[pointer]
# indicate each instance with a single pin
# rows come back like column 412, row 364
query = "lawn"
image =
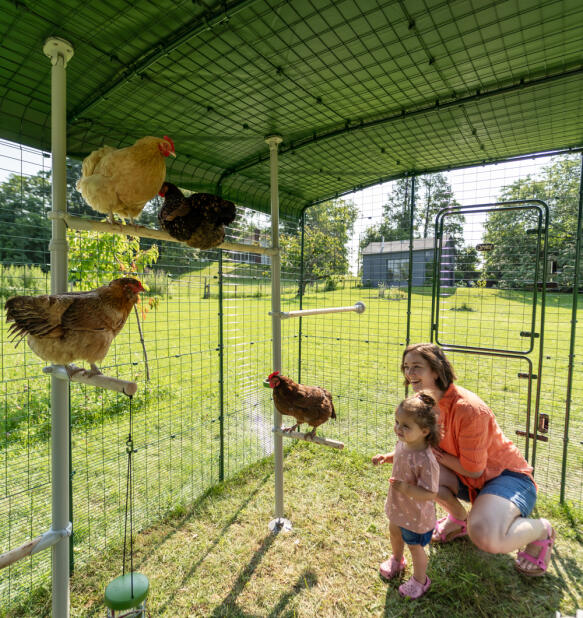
column 179, row 428
column 218, row 558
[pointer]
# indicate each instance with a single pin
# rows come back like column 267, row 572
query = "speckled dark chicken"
column 197, row 220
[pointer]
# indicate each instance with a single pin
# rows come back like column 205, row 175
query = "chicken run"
column 240, row 123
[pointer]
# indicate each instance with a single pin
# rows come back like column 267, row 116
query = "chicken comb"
column 272, row 375
column 171, row 142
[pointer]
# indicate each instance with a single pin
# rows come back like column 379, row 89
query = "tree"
column 511, row 261
column 433, row 194
column 466, row 265
column 327, row 230
column 25, row 202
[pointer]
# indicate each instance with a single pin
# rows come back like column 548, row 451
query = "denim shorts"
column 514, row 486
column 416, row 538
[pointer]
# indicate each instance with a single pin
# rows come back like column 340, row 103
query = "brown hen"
column 307, row 404
column 62, row 328
column 122, row 180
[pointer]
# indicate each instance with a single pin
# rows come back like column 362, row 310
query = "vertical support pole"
column 410, row 274
column 60, row 52
column 273, row 141
column 578, row 241
column 544, row 220
column 221, row 374
column 301, row 290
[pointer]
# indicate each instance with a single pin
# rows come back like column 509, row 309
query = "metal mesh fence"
column 205, row 414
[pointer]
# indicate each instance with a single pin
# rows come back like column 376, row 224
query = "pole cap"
column 55, row 47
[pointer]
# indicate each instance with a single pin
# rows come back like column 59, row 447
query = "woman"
column 478, row 463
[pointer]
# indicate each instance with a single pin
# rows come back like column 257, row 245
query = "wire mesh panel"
column 201, row 412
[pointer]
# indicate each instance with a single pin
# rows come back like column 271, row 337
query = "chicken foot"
column 292, row 428
column 94, row 371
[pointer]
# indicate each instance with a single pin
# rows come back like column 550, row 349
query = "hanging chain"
column 129, row 504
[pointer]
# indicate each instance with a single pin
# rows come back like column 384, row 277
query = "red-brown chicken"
column 62, row 328
column 197, row 220
column 307, row 404
column 122, row 180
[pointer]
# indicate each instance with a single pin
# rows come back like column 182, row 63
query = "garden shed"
column 330, row 125
column 386, row 264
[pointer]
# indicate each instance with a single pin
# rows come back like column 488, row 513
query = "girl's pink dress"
column 416, row 468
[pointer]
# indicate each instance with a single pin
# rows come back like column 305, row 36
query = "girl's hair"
column 437, row 360
column 421, row 407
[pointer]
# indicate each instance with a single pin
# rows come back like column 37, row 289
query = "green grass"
column 217, row 557
column 177, row 423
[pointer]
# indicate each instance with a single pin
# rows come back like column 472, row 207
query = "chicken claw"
column 292, row 428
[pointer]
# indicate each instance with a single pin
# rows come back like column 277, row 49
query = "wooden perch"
column 304, row 436
column 101, row 381
column 48, row 539
column 131, row 229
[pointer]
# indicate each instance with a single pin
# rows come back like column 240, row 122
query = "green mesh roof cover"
column 360, row 90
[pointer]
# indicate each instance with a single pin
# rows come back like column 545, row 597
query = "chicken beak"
column 172, row 153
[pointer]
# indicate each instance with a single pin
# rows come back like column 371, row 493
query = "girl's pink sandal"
column 391, row 568
column 439, row 535
column 412, row 589
column 541, row 561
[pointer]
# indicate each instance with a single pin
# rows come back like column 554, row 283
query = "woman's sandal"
column 439, row 534
column 543, row 559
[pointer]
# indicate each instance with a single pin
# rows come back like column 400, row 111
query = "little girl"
column 413, row 488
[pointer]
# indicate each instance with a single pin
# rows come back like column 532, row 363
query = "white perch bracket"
column 48, row 539
column 308, row 438
column 359, row 307
column 99, row 380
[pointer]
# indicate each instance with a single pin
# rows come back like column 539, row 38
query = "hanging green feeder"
column 123, row 594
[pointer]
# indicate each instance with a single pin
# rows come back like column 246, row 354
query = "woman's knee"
column 483, row 535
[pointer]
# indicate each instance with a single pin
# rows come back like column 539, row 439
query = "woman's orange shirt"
column 472, row 434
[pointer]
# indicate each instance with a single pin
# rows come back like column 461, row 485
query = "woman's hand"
column 382, row 458
column 453, row 463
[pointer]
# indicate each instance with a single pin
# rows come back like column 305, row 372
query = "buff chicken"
column 197, row 220
column 122, row 180
column 307, row 404
column 62, row 328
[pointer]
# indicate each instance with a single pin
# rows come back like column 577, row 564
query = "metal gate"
column 503, row 327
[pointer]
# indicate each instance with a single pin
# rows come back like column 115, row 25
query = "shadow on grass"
column 217, row 540
column 229, row 607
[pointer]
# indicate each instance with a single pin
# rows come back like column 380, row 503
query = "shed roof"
column 396, row 246
column 360, row 91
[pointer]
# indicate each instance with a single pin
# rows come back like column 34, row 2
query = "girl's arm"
column 453, row 463
column 412, row 491
column 382, row 459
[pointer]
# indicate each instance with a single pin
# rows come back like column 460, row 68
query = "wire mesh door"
column 498, row 252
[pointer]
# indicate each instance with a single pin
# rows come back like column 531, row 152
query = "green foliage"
column 511, row 262
column 433, row 193
column 29, row 280
column 25, row 229
column 466, row 265
column 96, row 256
column 327, row 230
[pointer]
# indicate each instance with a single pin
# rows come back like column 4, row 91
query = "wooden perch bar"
column 100, row 381
column 131, row 229
column 304, row 436
column 358, row 307
column 48, row 539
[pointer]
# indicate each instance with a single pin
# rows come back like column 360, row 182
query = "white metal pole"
column 274, row 141
column 60, row 52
